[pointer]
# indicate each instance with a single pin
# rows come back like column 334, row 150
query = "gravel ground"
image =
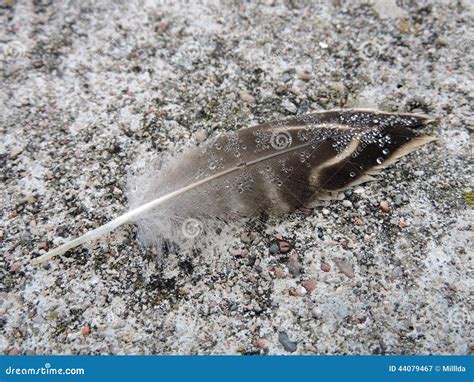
column 88, row 88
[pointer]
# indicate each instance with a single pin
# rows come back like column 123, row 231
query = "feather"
column 272, row 169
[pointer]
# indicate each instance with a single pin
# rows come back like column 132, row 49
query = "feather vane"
column 272, row 169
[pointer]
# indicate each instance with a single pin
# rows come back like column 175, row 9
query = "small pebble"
column 246, row 96
column 347, row 243
column 396, row 273
column 403, row 223
column 347, row 203
column 163, row 26
column 289, row 106
column 286, row 77
column 345, row 267
column 287, row 344
column 43, row 245
column 15, row 267
column 297, row 292
column 316, row 312
column 325, row 267
column 13, row 351
column 284, row 246
column 85, row 330
column 304, row 74
column 274, row 248
column 14, row 152
column 384, row 206
column 309, row 285
column 261, row 343
column 282, row 89
column 294, row 265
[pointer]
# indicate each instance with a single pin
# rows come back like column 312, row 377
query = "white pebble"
column 347, row 203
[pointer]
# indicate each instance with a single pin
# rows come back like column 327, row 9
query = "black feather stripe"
column 366, row 157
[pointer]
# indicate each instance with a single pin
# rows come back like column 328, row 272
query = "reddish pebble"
column 13, row 352
column 284, row 246
column 260, row 343
column 403, row 223
column 384, row 206
column 43, row 245
column 85, row 330
column 15, row 267
column 311, row 348
column 310, row 285
column 325, row 267
column 163, row 26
